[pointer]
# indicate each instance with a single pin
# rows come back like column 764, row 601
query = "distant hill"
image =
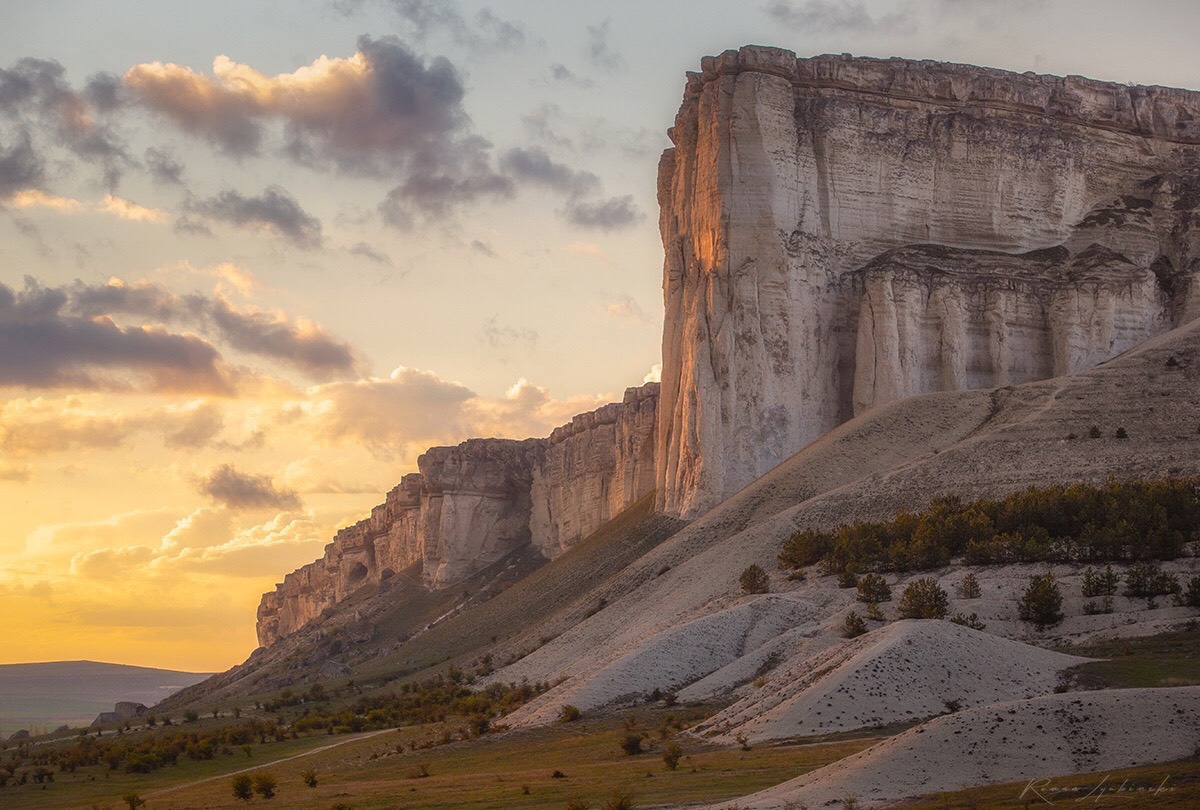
column 41, row 697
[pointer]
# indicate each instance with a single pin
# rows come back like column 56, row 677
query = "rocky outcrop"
column 840, row 232
column 593, row 468
column 122, row 711
column 473, row 504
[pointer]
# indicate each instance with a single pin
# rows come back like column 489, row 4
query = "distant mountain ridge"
column 53, row 693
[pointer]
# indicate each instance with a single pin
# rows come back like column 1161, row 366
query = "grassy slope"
column 1170, row 659
column 488, row 773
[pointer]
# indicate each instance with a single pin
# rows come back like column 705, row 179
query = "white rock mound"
column 1037, row 739
column 899, row 673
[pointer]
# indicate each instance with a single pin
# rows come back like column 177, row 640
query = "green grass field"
column 510, row 769
column 1170, row 659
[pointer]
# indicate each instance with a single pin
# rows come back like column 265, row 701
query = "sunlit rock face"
column 473, row 504
column 840, row 232
column 592, row 469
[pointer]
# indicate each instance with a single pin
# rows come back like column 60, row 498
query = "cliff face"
column 840, row 232
column 593, row 468
column 471, row 505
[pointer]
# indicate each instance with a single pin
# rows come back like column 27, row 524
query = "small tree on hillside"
column 924, row 599
column 854, row 626
column 243, row 787
column 1100, row 583
column 264, row 785
column 969, row 588
column 755, row 580
column 1041, row 604
column 873, row 589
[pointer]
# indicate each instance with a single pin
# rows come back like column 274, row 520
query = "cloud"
column 274, row 210
column 533, row 165
column 164, row 167
column 35, row 96
column 402, row 415
column 425, row 18
column 832, row 16
column 498, row 336
column 625, row 307
column 238, row 490
column 41, row 345
column 126, row 209
column 20, row 166
column 606, row 215
column 480, row 246
column 38, row 427
column 297, row 342
column 599, row 48
column 59, row 337
column 368, row 252
column 33, row 198
column 654, row 374
column 561, row 73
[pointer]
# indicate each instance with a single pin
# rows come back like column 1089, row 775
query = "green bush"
column 243, row 787
column 632, row 744
column 671, row 755
column 568, row 714
column 969, row 588
column 873, row 589
column 1149, row 580
column 1100, row 583
column 1041, row 604
column 755, row 580
column 1190, row 596
column 854, row 626
column 264, row 785
column 971, row 621
column 309, row 778
column 924, row 599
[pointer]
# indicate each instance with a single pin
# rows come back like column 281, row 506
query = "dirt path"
column 355, row 738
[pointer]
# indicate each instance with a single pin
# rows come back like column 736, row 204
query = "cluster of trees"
column 1120, row 520
column 429, row 701
column 143, row 753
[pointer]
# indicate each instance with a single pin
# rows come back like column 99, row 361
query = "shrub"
column 924, row 599
column 846, row 578
column 133, row 801
column 854, row 626
column 804, row 548
column 243, row 787
column 568, row 714
column 755, row 580
column 191, row 715
column 875, row 614
column 632, row 744
column 1149, row 580
column 620, row 801
column 971, row 621
column 1190, row 597
column 1100, row 583
column 264, row 785
column 1093, row 609
column 1041, row 604
column 1121, row 434
column 309, row 778
column 1094, row 432
column 873, row 589
column 953, row 705
column 671, row 755
column 969, row 588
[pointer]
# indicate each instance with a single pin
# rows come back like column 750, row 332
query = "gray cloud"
column 499, row 336
column 20, row 166
column 302, row 345
column 164, row 167
column 533, row 165
column 238, row 490
column 483, row 247
column 274, row 210
column 837, row 15
column 34, row 95
column 561, row 73
column 606, row 215
column 599, row 48
column 425, row 18
column 368, row 252
column 41, row 345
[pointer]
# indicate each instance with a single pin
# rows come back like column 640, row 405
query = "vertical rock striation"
column 473, row 504
column 841, row 231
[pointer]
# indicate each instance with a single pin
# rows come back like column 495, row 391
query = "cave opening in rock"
column 356, row 573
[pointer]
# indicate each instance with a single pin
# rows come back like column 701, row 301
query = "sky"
column 255, row 257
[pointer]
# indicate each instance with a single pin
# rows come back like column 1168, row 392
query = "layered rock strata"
column 840, row 232
column 471, row 505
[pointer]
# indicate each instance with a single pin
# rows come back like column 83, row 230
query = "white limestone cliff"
column 840, row 232
column 473, row 504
